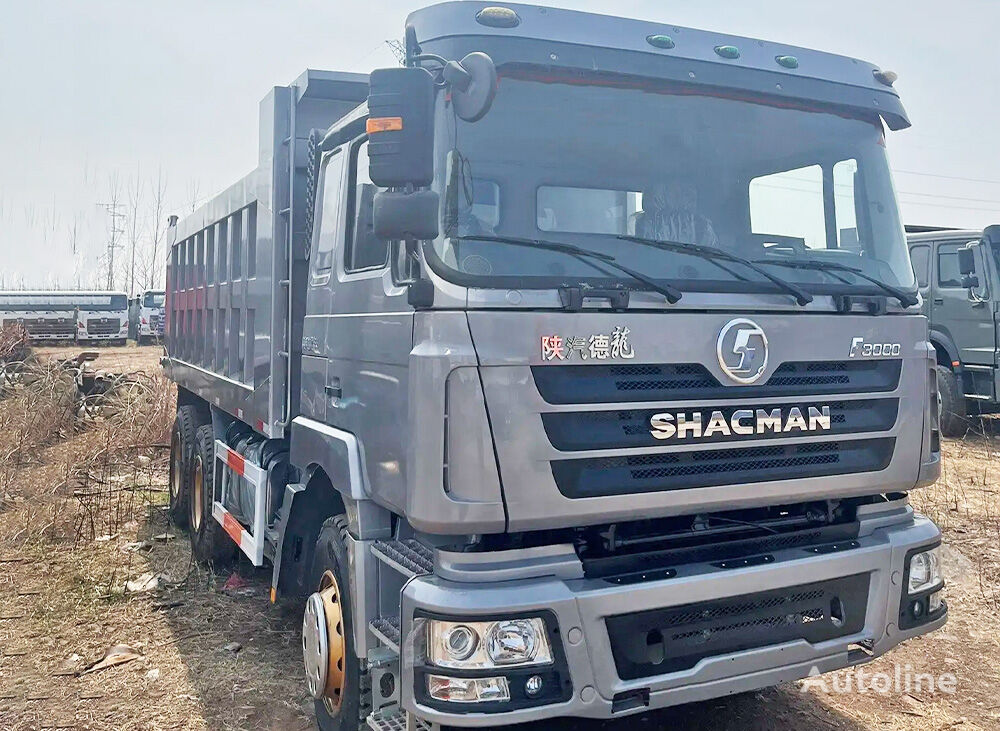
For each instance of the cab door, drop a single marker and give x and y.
(965, 315)
(315, 394)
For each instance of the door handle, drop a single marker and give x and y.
(939, 300)
(333, 389)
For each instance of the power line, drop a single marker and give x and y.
(947, 177)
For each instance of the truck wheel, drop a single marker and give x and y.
(181, 448)
(953, 421)
(209, 542)
(341, 689)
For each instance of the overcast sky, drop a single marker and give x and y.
(93, 90)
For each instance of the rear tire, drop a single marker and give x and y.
(181, 450)
(209, 542)
(356, 700)
(953, 412)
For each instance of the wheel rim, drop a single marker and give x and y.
(197, 495)
(323, 644)
(176, 468)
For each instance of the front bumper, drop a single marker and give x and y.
(581, 607)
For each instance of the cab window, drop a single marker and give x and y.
(364, 249)
(949, 274)
(329, 215)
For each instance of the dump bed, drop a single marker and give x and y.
(233, 328)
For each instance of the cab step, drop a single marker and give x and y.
(410, 557)
(386, 629)
(396, 719)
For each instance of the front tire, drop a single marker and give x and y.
(209, 542)
(346, 707)
(953, 413)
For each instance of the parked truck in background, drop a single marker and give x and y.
(958, 273)
(573, 369)
(102, 316)
(46, 316)
(147, 316)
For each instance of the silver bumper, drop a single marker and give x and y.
(581, 606)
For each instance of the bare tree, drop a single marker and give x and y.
(133, 228)
(157, 231)
(193, 188)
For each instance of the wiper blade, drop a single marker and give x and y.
(673, 295)
(907, 299)
(710, 252)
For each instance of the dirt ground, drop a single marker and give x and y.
(81, 514)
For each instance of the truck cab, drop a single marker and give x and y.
(147, 316)
(957, 272)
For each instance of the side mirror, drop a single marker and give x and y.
(970, 281)
(401, 127)
(410, 216)
(966, 261)
(473, 85)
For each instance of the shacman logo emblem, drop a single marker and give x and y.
(742, 351)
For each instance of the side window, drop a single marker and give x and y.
(789, 206)
(949, 274)
(920, 258)
(329, 228)
(845, 174)
(365, 250)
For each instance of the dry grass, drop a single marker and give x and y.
(82, 509)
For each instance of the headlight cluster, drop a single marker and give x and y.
(922, 601)
(925, 571)
(486, 645)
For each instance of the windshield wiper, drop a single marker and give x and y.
(672, 295)
(907, 299)
(710, 252)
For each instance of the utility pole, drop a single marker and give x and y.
(398, 50)
(113, 209)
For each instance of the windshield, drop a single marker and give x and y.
(153, 299)
(585, 160)
(103, 302)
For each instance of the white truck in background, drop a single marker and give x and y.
(102, 316)
(146, 316)
(46, 316)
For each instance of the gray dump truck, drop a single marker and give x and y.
(958, 273)
(574, 368)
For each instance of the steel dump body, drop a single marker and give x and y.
(227, 332)
(721, 477)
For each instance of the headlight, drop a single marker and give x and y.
(480, 645)
(925, 571)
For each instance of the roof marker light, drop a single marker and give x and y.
(730, 52)
(885, 77)
(660, 41)
(789, 62)
(498, 17)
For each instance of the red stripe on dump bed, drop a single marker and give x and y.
(235, 462)
(232, 527)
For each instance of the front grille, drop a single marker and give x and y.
(156, 324)
(39, 326)
(660, 641)
(578, 431)
(621, 475)
(103, 326)
(591, 384)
